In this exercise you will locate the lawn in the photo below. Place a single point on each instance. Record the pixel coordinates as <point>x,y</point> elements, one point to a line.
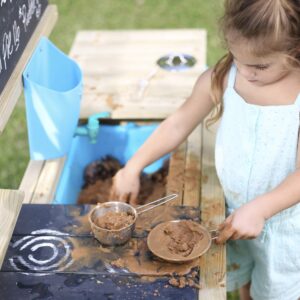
<point>76,15</point>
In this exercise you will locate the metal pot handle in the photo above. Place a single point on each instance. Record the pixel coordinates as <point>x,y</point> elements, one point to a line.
<point>157,202</point>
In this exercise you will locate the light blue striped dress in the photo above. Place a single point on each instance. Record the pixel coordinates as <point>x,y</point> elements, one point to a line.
<point>255,151</point>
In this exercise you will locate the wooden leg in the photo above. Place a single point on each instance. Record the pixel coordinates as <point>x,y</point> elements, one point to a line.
<point>213,262</point>
<point>10,206</point>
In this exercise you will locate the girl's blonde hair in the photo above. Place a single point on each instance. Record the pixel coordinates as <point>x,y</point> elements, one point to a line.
<point>269,26</point>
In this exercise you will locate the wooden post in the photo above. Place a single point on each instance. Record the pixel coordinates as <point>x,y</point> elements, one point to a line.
<point>10,206</point>
<point>213,263</point>
<point>175,180</point>
<point>193,164</point>
<point>40,180</point>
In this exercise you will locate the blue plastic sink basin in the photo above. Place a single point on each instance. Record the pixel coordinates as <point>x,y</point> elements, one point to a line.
<point>119,141</point>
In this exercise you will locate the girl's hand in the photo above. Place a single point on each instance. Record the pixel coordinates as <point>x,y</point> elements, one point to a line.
<point>246,222</point>
<point>126,186</point>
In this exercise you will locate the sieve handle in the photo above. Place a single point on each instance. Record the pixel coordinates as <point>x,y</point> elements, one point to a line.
<point>157,202</point>
<point>214,234</point>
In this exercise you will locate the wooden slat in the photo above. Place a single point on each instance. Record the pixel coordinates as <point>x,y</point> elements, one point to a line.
<point>10,205</point>
<point>14,87</point>
<point>192,176</point>
<point>175,180</point>
<point>20,285</point>
<point>121,36</point>
<point>30,179</point>
<point>47,181</point>
<point>213,263</point>
<point>129,58</point>
<point>130,111</point>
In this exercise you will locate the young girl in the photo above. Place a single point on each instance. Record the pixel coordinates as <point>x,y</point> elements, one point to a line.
<point>255,89</point>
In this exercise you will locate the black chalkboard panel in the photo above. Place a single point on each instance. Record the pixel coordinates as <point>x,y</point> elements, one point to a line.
<point>53,255</point>
<point>18,19</point>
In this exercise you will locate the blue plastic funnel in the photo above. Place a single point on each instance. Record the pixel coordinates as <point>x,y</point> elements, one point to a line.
<point>53,89</point>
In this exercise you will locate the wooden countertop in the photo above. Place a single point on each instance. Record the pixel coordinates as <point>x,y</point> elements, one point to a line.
<point>114,63</point>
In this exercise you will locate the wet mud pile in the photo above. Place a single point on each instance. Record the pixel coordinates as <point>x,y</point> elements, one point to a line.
<point>98,177</point>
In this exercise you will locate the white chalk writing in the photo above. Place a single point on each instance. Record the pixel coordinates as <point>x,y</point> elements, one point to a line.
<point>11,37</point>
<point>7,48</point>
<point>26,12</point>
<point>3,2</point>
<point>16,35</point>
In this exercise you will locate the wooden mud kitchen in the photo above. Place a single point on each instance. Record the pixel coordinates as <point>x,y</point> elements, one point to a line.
<point>134,78</point>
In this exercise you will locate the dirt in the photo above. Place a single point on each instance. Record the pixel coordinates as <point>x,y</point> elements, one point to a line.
<point>139,260</point>
<point>179,241</point>
<point>184,236</point>
<point>135,255</point>
<point>113,220</point>
<point>191,280</point>
<point>98,182</point>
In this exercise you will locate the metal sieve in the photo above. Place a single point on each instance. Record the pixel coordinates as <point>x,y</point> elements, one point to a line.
<point>158,243</point>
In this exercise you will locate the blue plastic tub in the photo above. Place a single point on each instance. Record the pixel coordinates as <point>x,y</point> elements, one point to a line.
<point>118,141</point>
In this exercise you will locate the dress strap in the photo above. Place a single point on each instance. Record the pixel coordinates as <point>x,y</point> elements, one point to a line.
<point>231,76</point>
<point>297,103</point>
<point>298,152</point>
<point>298,144</point>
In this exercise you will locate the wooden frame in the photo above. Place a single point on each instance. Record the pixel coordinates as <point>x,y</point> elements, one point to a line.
<point>10,206</point>
<point>192,172</point>
<point>10,200</point>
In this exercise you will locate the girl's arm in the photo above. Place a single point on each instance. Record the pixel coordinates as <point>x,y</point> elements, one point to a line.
<point>283,196</point>
<point>171,132</point>
<point>248,220</point>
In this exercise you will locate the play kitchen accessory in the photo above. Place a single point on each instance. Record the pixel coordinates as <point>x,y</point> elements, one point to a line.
<point>161,244</point>
<point>111,237</point>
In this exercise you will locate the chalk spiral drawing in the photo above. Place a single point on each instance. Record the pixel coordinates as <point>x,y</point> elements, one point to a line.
<point>59,249</point>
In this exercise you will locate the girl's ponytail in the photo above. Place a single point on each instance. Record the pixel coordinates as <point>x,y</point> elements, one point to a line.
<point>217,86</point>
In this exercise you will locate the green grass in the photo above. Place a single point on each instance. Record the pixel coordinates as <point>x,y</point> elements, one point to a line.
<point>139,14</point>
<point>77,15</point>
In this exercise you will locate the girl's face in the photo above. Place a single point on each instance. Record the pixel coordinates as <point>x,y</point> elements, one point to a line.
<point>259,71</point>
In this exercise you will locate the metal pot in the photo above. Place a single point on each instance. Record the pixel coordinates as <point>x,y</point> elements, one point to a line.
<point>111,237</point>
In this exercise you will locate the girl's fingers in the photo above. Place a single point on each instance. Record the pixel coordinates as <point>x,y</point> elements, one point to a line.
<point>236,236</point>
<point>124,197</point>
<point>225,235</point>
<point>225,223</point>
<point>222,226</point>
<point>112,194</point>
<point>133,200</point>
<point>225,231</point>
